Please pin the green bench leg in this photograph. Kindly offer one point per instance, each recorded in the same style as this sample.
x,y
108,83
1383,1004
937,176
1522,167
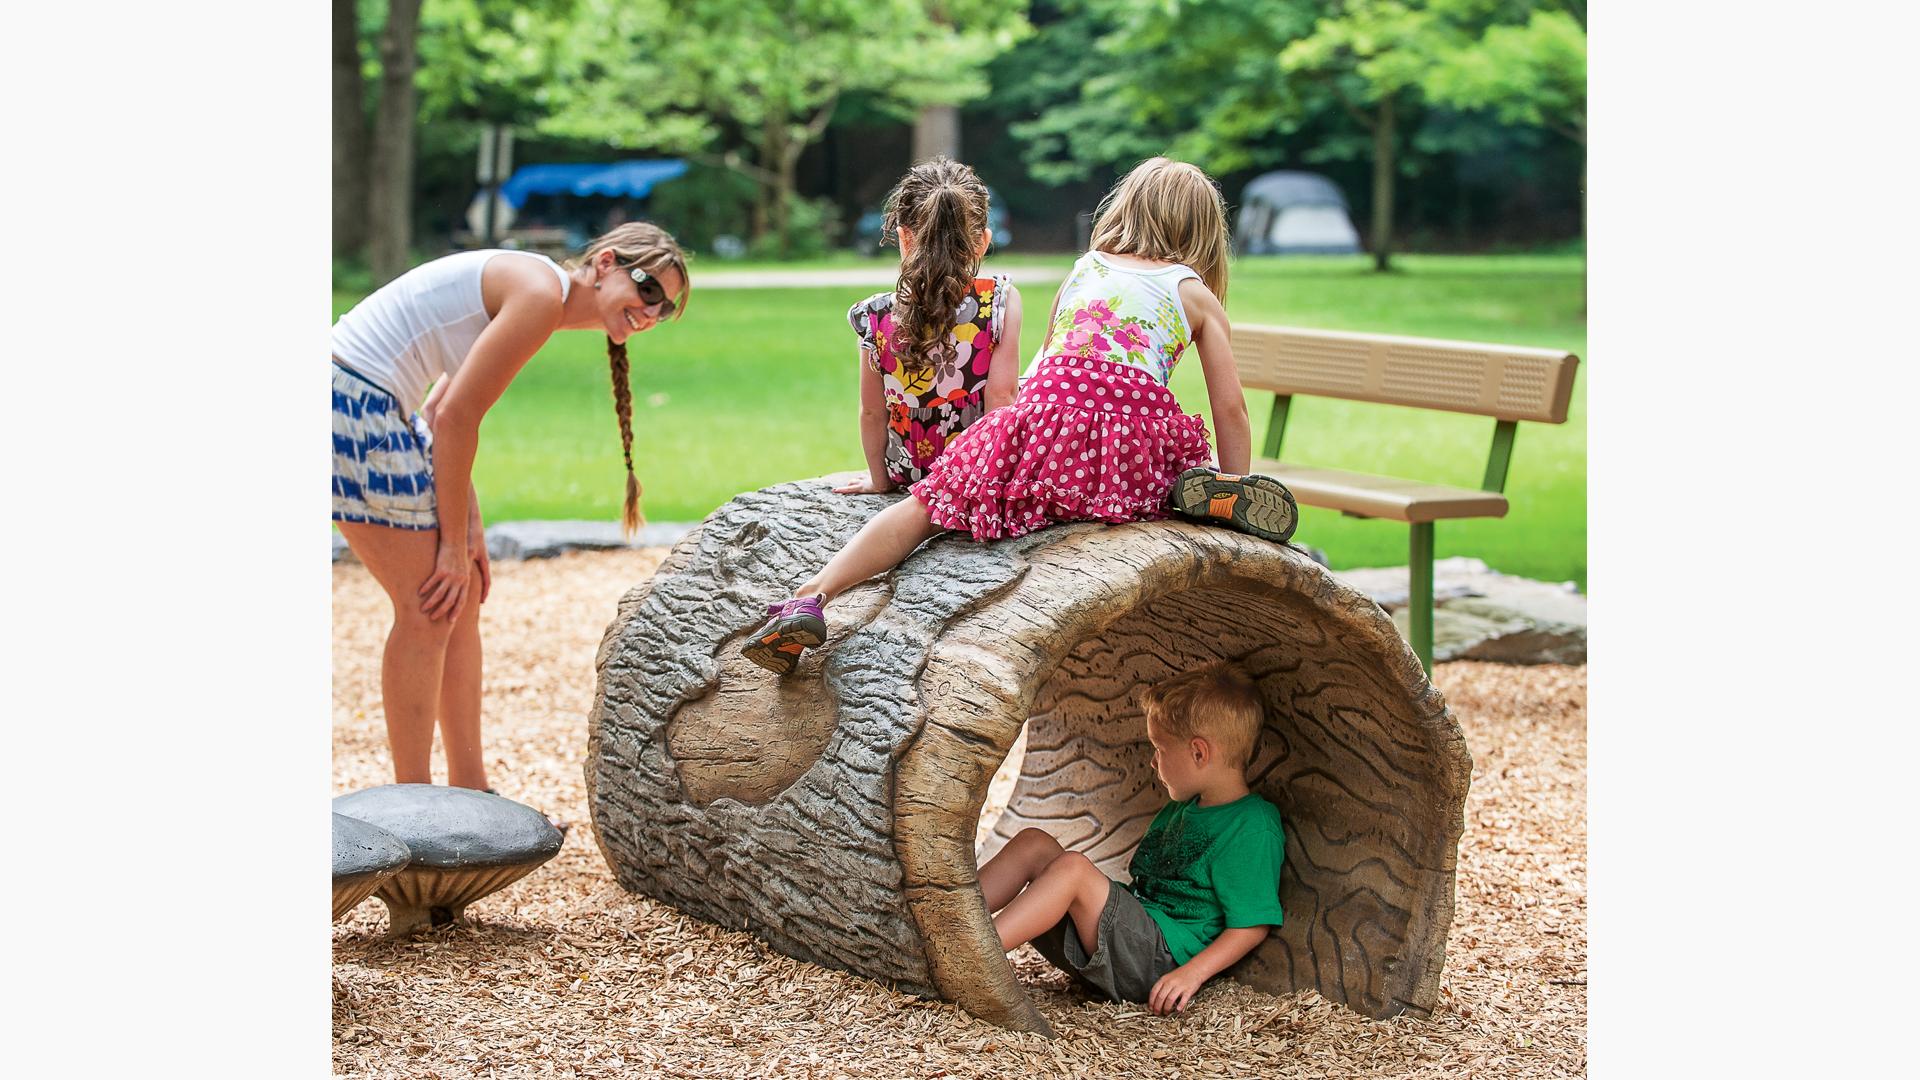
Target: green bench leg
x,y
1420,593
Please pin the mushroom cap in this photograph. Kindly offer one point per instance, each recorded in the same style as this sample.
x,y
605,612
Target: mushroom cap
x,y
363,856
452,828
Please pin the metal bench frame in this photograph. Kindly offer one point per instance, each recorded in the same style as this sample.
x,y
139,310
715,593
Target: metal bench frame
x,y
1505,382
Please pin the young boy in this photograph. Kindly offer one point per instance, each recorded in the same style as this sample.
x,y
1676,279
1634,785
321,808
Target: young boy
x,y
1206,877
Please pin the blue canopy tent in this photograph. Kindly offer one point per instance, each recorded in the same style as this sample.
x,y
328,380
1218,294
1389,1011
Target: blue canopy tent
x,y
633,180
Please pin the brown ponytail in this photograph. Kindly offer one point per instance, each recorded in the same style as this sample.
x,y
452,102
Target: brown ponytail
x,y
945,205
653,249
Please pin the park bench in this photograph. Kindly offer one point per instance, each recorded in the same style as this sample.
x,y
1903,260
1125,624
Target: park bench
x,y
1505,382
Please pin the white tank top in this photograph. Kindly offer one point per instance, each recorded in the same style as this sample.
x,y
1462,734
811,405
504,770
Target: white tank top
x,y
420,325
1125,314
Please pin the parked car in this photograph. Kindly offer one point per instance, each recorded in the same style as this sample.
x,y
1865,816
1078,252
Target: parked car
x,y
866,231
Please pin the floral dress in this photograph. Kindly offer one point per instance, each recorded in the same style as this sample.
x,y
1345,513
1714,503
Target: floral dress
x,y
928,408
1120,313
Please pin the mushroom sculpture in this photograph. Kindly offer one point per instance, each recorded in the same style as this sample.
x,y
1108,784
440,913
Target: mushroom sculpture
x,y
466,845
832,811
363,857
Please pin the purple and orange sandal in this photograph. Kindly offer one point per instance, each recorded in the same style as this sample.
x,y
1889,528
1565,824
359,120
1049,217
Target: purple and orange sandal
x,y
1258,505
792,626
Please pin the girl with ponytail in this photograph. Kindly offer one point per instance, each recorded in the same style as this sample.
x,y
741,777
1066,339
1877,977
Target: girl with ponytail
x,y
463,325
937,353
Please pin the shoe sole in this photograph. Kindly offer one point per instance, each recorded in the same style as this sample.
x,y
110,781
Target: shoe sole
x,y
779,650
1258,505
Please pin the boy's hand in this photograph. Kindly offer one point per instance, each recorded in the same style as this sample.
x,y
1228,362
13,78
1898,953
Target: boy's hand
x,y
1177,987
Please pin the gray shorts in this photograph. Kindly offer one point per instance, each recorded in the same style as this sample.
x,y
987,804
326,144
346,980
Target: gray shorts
x,y
1132,953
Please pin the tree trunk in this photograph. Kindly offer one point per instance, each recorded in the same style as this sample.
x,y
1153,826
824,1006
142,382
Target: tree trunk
x,y
391,191
936,131
349,134
833,812
1383,165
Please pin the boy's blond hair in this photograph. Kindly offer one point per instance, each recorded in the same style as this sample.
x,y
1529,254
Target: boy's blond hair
x,y
1167,210
1215,701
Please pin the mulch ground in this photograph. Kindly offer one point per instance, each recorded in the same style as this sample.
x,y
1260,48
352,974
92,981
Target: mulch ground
x,y
566,974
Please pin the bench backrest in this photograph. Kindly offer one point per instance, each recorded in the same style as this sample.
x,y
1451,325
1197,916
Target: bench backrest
x,y
1502,381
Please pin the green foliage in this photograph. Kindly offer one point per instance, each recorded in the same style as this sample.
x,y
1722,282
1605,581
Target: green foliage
x,y
811,228
707,202
1532,73
764,76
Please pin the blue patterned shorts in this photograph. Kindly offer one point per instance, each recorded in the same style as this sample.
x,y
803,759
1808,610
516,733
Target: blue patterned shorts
x,y
382,465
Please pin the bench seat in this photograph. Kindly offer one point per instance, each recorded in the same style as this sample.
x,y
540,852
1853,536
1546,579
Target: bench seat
x,y
1388,497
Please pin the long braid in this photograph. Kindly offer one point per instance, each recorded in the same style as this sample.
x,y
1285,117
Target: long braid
x,y
645,245
630,516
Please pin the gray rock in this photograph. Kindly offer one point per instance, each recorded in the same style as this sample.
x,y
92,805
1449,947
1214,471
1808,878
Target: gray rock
x,y
465,844
363,856
1482,614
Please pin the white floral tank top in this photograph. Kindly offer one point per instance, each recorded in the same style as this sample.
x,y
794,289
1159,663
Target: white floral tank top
x,y
1120,313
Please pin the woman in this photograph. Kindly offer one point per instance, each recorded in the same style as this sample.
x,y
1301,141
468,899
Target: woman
x,y
464,324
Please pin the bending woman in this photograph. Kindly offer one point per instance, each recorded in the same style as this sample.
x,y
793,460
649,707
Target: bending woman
x,y
403,497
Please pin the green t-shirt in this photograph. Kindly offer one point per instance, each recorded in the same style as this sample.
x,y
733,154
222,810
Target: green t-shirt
x,y
1204,869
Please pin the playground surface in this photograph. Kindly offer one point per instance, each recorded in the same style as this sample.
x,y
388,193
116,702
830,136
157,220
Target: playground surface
x,y
567,974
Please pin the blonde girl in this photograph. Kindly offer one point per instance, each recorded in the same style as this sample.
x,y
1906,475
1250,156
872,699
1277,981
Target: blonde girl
x,y
1094,434
403,498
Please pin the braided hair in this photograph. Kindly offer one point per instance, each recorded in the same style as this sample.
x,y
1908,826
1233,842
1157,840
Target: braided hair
x,y
651,248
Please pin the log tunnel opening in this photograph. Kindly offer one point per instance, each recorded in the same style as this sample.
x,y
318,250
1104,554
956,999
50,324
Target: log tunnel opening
x,y
1082,771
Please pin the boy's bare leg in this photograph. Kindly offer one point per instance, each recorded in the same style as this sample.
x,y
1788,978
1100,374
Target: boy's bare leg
x,y
1070,885
882,543
1022,860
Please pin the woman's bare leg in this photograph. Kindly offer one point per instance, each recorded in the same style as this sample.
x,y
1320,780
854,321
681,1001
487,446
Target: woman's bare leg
x,y
882,543
413,664
460,702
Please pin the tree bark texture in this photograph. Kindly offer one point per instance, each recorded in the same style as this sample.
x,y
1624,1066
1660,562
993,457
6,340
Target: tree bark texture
x,y
390,195
1383,166
936,131
833,812
349,134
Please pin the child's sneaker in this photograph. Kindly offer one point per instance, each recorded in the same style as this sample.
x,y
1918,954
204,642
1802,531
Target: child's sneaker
x,y
792,626
1254,504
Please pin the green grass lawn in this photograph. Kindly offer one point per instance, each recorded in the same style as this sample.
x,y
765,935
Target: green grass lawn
x,y
759,386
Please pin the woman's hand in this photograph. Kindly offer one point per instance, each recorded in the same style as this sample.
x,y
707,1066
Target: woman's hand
x,y
477,537
868,486
444,593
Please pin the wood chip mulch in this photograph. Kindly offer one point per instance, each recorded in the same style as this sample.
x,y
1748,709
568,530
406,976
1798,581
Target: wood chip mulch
x,y
566,974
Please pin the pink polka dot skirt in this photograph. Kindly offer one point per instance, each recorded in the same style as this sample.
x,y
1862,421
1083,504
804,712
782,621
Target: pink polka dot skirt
x,y
1086,440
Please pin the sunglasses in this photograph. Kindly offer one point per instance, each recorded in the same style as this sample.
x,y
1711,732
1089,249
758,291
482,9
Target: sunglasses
x,y
651,291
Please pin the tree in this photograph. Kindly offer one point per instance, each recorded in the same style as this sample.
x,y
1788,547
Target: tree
x,y
390,192
349,133
1532,73
709,80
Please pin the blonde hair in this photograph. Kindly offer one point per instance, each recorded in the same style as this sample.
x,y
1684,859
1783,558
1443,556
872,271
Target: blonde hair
x,y
945,205
1215,701
653,249
1167,210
